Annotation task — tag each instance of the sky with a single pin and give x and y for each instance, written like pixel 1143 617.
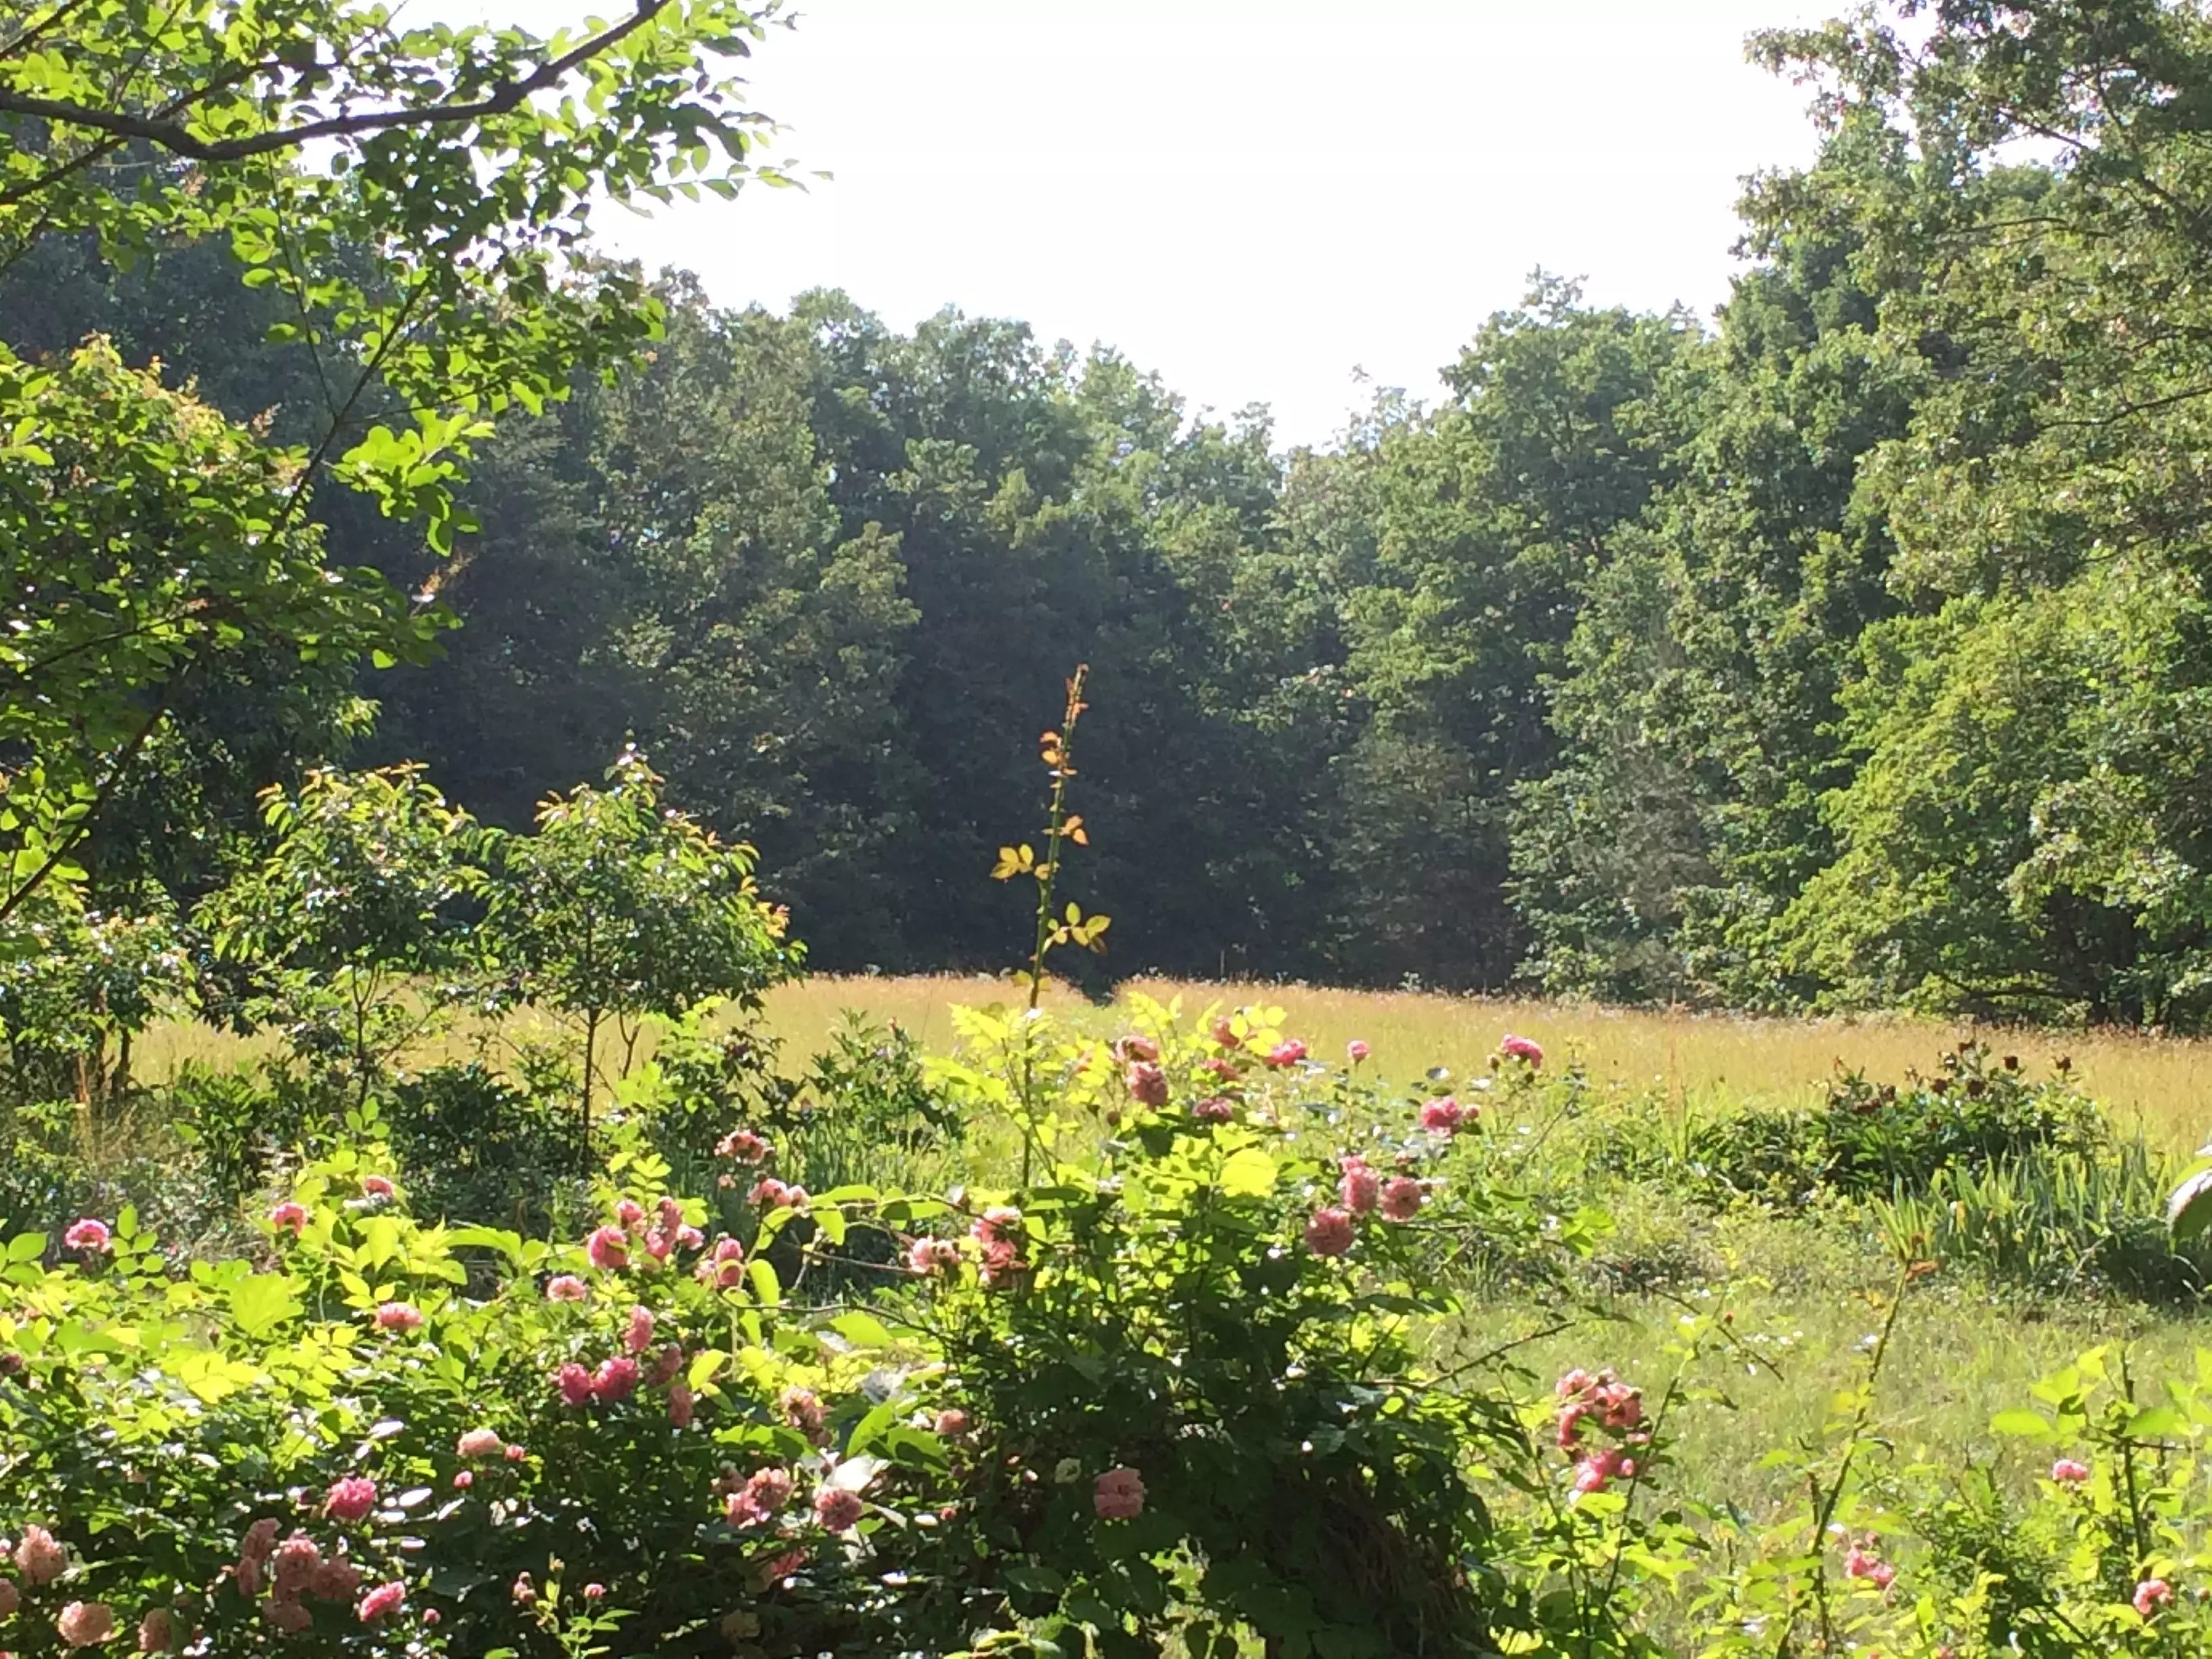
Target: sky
pixel 1257 199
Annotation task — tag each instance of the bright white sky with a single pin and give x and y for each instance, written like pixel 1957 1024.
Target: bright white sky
pixel 1252 197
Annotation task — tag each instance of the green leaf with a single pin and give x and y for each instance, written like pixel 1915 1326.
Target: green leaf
pixel 1248 1173
pixel 2032 1425
pixel 261 1301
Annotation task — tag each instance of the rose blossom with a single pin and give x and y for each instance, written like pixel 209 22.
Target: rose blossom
pixel 951 1425
pixel 1441 1116
pixel 1361 1188
pixel 351 1498
pixel 1356 1051
pixel 681 1404
pixel 2151 1594
pixel 768 1490
pixel 480 1442
pixel 157 1631
pixel 2068 1472
pixel 666 1364
pixel 1521 1048
pixel 1214 1109
pixel 286 1614
pixel 566 1287
pixel 376 1186
pixel 629 1214
pixel 1118 1495
pixel 92 1237
pixel 82 1624
pixel 290 1214
pixel 803 1410
pixel 1289 1052
pixel 1402 1198
pixel 41 1556
pixel 1135 1047
pixel 742 1146
pixel 384 1598
pixel 608 1249
pixel 932 1256
pixel 1328 1232
pixel 10 1597
pixel 336 1579
pixel 1147 1082
pixel 615 1379
pixel 295 1563
pixel 838 1509
pixel 1000 1224
pixel 637 1335
pixel 574 1383
pixel 398 1316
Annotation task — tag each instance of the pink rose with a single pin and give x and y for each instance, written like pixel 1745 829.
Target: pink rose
pixel 681 1404
pixel 1328 1232
pixel 480 1442
pixel 951 1425
pixel 291 1215
pixel 91 1236
pixel 350 1499
pixel 637 1335
pixel 398 1316
pixel 84 1624
pixel 630 1214
pixel 838 1509
pixel 565 1287
pixel 1141 1048
pixel 1442 1115
pixel 608 1249
pixel 615 1379
pixel 2152 1594
pixel 2068 1472
pixel 1360 1187
pixel 41 1556
pixel 376 1186
pixel 932 1256
pixel 384 1598
pixel 1147 1082
pixel 1214 1109
pixel 1356 1051
pixel 1288 1052
pixel 574 1383
pixel 157 1631
pixel 1521 1048
pixel 743 1147
pixel 1118 1495
pixel 1402 1198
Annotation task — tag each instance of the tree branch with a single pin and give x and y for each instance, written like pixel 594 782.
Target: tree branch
pixel 173 135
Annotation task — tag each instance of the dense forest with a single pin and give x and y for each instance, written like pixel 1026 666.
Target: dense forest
pixel 1852 650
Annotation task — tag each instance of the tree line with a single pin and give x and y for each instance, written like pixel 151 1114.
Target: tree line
pixel 1849 651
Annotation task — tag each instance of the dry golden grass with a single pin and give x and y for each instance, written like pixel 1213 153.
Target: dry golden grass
pixel 2164 1084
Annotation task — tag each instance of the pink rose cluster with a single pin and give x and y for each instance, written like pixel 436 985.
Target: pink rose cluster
pixel 90 1237
pixel 297 1568
pixel 1861 1561
pixel 1603 1399
pixel 1444 1115
pixel 742 1146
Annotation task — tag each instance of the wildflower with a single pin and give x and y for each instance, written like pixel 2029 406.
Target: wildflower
pixel 1360 1187
pixel 681 1404
pixel 1441 1116
pixel 376 1186
pixel 574 1383
pixel 84 1624
pixel 290 1215
pixel 608 1249
pixel 1118 1495
pixel 350 1499
pixel 2151 1594
pixel 565 1287
pixel 157 1631
pixel 398 1316
pixel 1289 1052
pixel 43 1558
pixel 838 1509
pixel 630 1214
pixel 384 1598
pixel 637 1335
pixel 1140 1049
pixel 89 1236
pixel 479 1442
pixel 2068 1472
pixel 742 1146
pixel 1147 1082
pixel 932 1256
pixel 1328 1232
pixel 1356 1051
pixel 1214 1109
pixel 951 1425
pixel 1402 1198
pixel 1521 1048
pixel 615 1379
